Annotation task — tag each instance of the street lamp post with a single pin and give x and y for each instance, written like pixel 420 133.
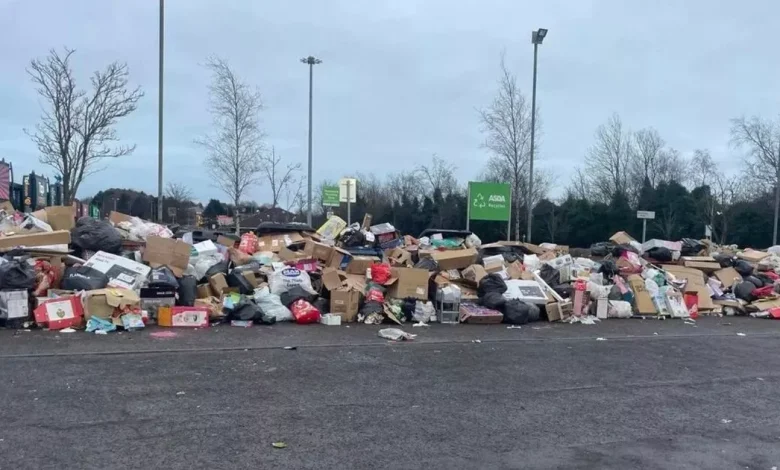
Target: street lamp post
pixel 536 38
pixel 311 61
pixel 160 119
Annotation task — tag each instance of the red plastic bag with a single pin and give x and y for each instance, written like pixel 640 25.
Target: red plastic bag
pixel 248 243
pixel 304 312
pixel 765 291
pixel 380 273
pixel 375 295
pixel 692 303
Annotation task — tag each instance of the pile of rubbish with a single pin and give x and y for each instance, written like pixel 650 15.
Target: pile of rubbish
pixel 125 273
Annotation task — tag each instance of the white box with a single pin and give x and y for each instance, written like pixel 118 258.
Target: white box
pixel 204 248
pixel 655 243
pixel 122 272
pixel 527 291
pixel 330 319
pixel 14 304
pixel 560 261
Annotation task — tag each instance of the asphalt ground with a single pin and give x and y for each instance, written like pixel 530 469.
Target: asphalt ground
pixel 621 394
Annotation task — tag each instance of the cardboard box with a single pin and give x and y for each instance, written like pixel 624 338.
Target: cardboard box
pixel 559 311
pixel 56 240
pixel 642 299
pixel 359 264
pixel 204 248
pixel 330 319
pixel 477 314
pixel 493 264
pixel 622 238
pixel 345 302
pixel 288 255
pixel 339 259
pixel 192 317
pixel 14 304
pixel 121 272
pixel 276 241
pixel 332 228
pixel 753 256
pixel 474 273
pixel 455 259
pixel 116 217
pixel 356 282
pixel 654 243
pixel 153 298
pixel 60 217
pixel 399 257
pixel 408 282
pixel 318 251
pixel 332 278
pixel 695 283
pixel 218 284
pixel 728 277
pixel 515 270
pixel 105 303
pixel 59 313
pixel 169 252
pixel 204 291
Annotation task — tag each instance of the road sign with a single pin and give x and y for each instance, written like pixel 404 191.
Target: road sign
pixel 348 190
pixel 489 201
pixel 171 212
pixel 330 196
pixel 649 215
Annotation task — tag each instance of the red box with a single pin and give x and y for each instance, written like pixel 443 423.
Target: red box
pixel 59 313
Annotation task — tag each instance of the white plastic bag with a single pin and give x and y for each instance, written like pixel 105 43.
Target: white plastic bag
pixel 285 279
pixel 202 264
pixel 423 311
pixel 531 263
pixel 395 334
pixel 271 304
pixel 619 309
pixel 473 241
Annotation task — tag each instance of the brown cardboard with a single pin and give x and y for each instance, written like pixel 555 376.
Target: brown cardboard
pixel 288 255
pixel 728 277
pixel 642 299
pixel 557 311
pixel 103 302
pixel 254 279
pixel 58 237
pixel 409 282
pixel 332 278
pixel 474 273
pixel 7 206
pixel 276 241
pixel 455 259
pixel 622 238
pixel 761 305
pixel 356 282
pixel 218 283
pixel 204 291
pixel 60 217
pixel 704 266
pixel 344 302
pixel 318 251
pixel 493 264
pixel 515 270
pixel 399 257
pixel 167 252
pixel 754 256
pixel 359 264
pixel 695 283
pixel 226 241
pixel 337 257
pixel 116 217
pixel 366 222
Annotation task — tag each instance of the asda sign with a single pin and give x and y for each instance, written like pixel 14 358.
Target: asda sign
pixel 489 201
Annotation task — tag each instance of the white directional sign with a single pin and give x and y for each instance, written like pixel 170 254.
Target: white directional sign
pixel 645 215
pixel 348 190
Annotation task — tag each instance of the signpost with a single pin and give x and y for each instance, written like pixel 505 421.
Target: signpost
pixel 348 194
pixel 330 196
pixel 645 215
pixel 489 201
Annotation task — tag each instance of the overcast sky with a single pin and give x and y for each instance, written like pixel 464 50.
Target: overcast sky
pixel 401 79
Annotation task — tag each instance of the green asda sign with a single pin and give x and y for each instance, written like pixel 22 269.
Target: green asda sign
pixel 489 201
pixel 330 196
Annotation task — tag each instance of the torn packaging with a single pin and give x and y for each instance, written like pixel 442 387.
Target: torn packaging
pixel 474 274
pixel 339 258
pixel 399 257
pixel 108 303
pixel 332 279
pixel 175 254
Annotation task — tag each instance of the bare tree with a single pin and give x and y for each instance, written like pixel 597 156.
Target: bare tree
pixel 507 125
pixel 234 148
pixel 279 178
pixel 702 169
pixel 77 126
pixel 608 160
pixel 439 175
pixel 178 192
pixel 579 187
pixel 761 138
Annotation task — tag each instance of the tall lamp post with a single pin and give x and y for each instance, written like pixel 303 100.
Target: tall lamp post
pixel 536 38
pixel 160 119
pixel 311 61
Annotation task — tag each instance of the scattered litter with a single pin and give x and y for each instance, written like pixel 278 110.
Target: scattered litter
pixel 101 332
pixel 163 334
pixel 740 334
pixel 725 421
pixel 760 378
pixel 584 319
pixel 513 327
pixel 279 445
pixel 476 341
pixel 180 393
pixel 395 334
pixel 601 339
pixel 655 334
pixel 420 324
pixel 290 348
pixel 67 330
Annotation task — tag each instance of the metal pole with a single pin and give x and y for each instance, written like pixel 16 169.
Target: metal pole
pixel 777 206
pixel 311 95
pixel 529 200
pixel 349 202
pixel 160 118
pixel 644 229
pixel 509 220
pixel 468 206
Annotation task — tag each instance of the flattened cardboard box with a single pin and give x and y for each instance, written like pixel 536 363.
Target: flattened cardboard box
pixel 454 259
pixel 318 251
pixel 622 238
pixel 276 241
pixel 104 302
pixel 754 256
pixel 58 237
pixel 409 282
pixel 695 283
pixel 728 277
pixel 642 299
pixel 167 252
